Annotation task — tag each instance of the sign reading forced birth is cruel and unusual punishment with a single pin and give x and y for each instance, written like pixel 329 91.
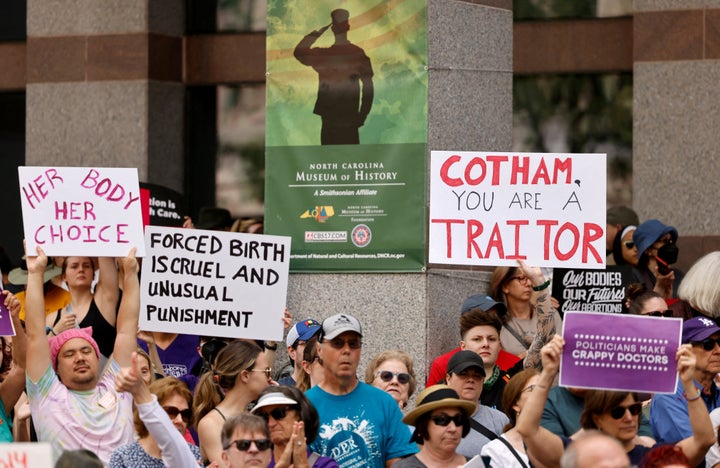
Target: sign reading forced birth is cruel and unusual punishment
pixel 214 283
pixel 620 352
pixel 497 208
pixel 81 210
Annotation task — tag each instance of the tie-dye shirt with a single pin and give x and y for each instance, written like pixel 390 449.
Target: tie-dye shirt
pixel 99 420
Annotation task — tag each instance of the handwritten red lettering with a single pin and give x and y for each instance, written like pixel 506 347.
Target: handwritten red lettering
pixel 35 191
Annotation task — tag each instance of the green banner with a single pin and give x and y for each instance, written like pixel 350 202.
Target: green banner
pixel 346 133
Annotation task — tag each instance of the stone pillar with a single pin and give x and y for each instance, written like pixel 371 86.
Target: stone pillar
pixel 676 109
pixel 470 108
pixel 104 86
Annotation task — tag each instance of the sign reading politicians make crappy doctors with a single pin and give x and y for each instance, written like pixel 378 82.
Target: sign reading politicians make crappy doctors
pixel 497 208
pixel 214 283
pixel 81 210
pixel 620 352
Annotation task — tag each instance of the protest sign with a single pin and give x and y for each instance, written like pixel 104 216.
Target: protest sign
pixel 26 455
pixel 592 290
pixel 81 211
pixel 214 283
pixel 498 208
pixel 620 352
pixel 161 206
pixel 6 325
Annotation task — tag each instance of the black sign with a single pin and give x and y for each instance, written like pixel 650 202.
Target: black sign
pixel 591 290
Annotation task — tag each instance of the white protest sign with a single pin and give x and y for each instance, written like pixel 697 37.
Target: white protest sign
pixel 81 211
pixel 497 208
pixel 214 283
pixel 26 455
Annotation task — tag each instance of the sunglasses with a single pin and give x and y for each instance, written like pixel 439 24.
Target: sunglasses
pixel 708 344
pixel 629 244
pixel 619 411
pixel 443 419
pixel 337 343
pixel 277 413
pixel 660 313
pixel 244 444
pixel 521 279
pixel 173 412
pixel 387 376
pixel 267 370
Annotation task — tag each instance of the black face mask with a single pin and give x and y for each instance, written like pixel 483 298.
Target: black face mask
pixel 668 253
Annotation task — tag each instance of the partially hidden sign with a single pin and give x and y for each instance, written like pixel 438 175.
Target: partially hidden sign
pixel 6 325
pixel 81 210
pixel 592 290
pixel 497 208
pixel 620 352
pixel 26 455
pixel 214 283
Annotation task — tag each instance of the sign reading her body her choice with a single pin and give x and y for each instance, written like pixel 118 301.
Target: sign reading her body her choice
pixel 626 353
pixel 25 454
pixel 81 210
pixel 214 283
pixel 498 208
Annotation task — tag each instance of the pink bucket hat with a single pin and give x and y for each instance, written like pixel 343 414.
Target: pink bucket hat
pixel 57 342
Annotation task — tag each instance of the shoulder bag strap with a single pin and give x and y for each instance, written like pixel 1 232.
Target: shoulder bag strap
pixel 515 334
pixel 483 430
pixel 513 451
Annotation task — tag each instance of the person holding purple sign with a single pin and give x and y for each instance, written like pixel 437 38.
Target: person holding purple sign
pixel 13 384
pixel 669 415
pixel 613 413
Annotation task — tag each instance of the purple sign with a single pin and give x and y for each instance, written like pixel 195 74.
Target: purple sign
pixel 6 325
pixel 620 352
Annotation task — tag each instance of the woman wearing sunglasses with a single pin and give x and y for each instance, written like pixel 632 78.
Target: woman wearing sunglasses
pixel 240 372
pixel 162 415
pixel 642 301
pixel 293 424
pixel 245 441
pixel 441 419
pixel 392 372
pixel 613 413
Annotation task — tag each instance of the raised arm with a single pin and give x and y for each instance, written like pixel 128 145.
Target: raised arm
pixel 127 320
pixel 14 384
pixel 542 445
pixel 38 349
pixel 703 437
pixel 107 290
pixel 545 316
pixel 174 448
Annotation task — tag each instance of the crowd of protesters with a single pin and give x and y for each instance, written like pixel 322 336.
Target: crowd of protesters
pixel 79 375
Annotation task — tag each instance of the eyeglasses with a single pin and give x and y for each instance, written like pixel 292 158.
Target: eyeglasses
pixel 267 370
pixel 173 412
pixel 529 388
pixel 660 313
pixel 244 444
pixel 277 414
pixel 338 343
pixel 708 344
pixel 387 376
pixel 619 411
pixel 443 419
pixel 521 279
pixel 629 244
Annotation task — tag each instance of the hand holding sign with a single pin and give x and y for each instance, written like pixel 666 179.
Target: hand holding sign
pixel 686 364
pixel 552 354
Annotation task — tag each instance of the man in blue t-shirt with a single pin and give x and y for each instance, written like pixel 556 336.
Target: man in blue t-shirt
pixel 360 425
